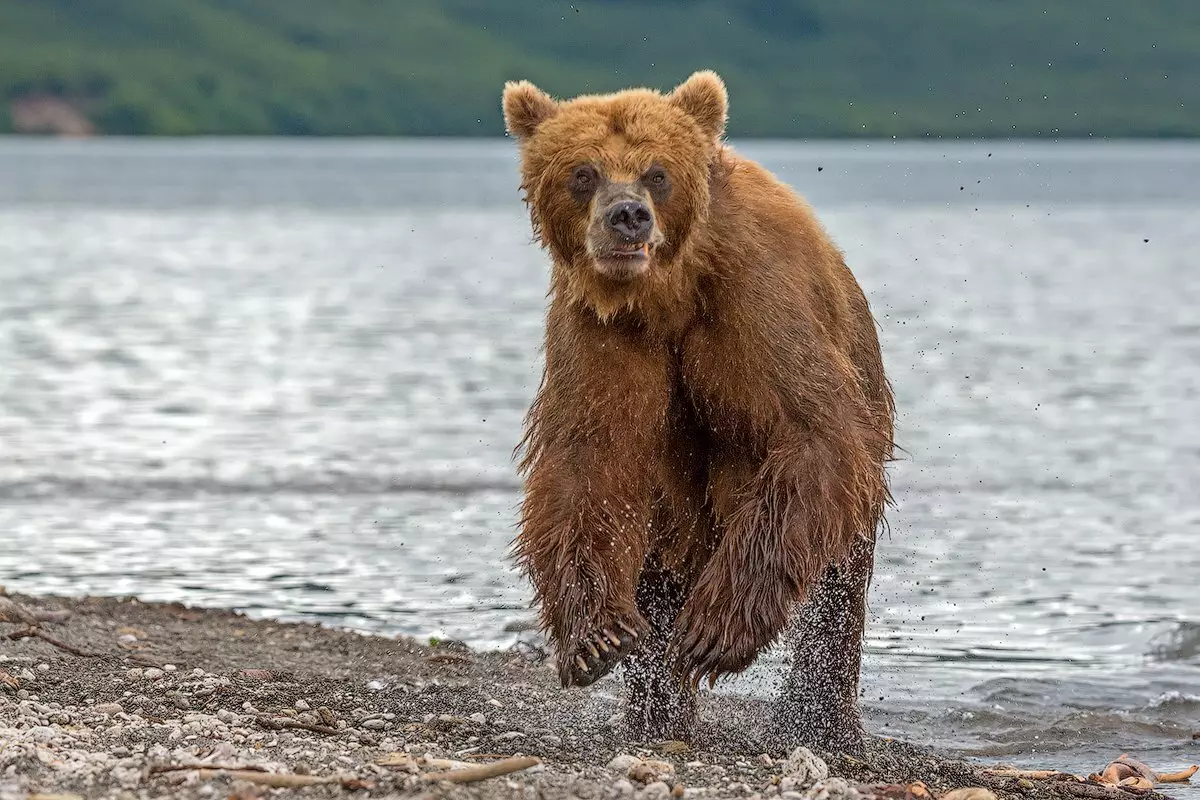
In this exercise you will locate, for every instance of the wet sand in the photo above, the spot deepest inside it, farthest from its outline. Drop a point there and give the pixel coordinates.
(153, 686)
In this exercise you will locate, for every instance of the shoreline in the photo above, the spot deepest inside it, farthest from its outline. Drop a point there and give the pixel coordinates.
(111, 692)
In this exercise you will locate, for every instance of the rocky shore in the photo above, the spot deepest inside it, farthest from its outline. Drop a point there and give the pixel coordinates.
(113, 698)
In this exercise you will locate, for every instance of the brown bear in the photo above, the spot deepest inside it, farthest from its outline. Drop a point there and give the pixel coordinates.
(707, 448)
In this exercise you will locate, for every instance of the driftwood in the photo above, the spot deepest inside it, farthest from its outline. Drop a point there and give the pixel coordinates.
(157, 769)
(38, 633)
(280, 723)
(12, 611)
(482, 772)
(283, 780)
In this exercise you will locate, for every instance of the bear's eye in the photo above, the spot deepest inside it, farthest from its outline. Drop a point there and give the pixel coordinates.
(655, 177)
(583, 180)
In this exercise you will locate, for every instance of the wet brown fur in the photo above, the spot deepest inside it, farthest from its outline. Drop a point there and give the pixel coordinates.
(720, 424)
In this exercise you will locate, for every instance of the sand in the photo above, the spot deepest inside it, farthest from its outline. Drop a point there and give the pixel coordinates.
(240, 701)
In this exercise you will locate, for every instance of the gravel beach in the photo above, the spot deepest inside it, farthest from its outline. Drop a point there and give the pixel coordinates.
(159, 700)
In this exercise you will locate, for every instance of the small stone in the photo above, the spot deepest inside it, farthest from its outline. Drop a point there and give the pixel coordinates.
(43, 667)
(108, 708)
(805, 767)
(376, 686)
(26, 675)
(655, 791)
(169, 667)
(301, 705)
(42, 733)
(550, 740)
(135, 673)
(478, 718)
(624, 762)
(374, 724)
(651, 771)
(969, 793)
(832, 789)
(508, 736)
(153, 673)
(495, 703)
(621, 789)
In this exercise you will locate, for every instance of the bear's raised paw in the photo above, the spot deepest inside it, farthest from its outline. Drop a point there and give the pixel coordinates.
(598, 651)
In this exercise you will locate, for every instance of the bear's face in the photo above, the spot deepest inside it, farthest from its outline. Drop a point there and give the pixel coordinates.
(617, 183)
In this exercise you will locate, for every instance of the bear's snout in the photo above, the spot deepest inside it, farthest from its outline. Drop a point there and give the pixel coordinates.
(630, 220)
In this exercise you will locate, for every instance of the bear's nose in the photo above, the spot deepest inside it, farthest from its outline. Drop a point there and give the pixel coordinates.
(630, 220)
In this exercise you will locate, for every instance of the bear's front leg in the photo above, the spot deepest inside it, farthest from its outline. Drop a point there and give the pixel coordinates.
(661, 705)
(583, 550)
(593, 452)
(783, 520)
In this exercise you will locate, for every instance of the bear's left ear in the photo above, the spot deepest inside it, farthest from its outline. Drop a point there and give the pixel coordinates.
(525, 107)
(704, 98)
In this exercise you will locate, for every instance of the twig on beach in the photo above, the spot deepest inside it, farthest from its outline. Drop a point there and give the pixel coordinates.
(38, 633)
(9, 680)
(1029, 774)
(12, 611)
(279, 723)
(484, 771)
(283, 780)
(156, 769)
(474, 756)
(1097, 791)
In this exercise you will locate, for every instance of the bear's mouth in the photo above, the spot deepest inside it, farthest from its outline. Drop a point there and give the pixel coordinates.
(624, 263)
(636, 252)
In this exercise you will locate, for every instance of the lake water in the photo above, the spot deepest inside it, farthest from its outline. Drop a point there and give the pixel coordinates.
(287, 377)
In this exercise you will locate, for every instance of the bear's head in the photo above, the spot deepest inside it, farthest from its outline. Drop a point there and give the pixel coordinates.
(617, 184)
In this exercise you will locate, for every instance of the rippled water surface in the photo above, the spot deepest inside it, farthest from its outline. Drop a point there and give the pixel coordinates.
(287, 377)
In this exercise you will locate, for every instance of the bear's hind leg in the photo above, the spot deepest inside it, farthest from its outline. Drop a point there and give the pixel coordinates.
(819, 704)
(661, 704)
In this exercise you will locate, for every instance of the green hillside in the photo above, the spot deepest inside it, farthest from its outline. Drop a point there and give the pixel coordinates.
(795, 68)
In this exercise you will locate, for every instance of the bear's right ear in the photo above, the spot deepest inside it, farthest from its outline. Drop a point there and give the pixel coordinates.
(526, 107)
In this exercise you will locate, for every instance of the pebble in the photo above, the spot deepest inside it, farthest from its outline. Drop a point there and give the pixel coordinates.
(651, 771)
(301, 705)
(655, 791)
(376, 724)
(805, 767)
(478, 718)
(108, 708)
(153, 673)
(624, 762)
(831, 789)
(621, 789)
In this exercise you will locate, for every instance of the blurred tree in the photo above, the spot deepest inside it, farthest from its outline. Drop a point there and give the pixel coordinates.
(812, 68)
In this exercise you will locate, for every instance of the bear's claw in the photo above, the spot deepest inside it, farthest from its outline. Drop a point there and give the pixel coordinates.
(597, 652)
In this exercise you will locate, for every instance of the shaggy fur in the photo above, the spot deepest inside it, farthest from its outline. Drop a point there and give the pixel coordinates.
(708, 443)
